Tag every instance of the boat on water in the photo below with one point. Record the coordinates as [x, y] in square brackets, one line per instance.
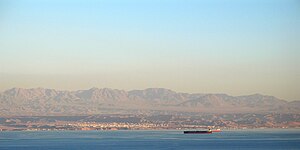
[209, 131]
[197, 132]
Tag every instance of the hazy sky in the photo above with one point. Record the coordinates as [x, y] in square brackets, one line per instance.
[236, 47]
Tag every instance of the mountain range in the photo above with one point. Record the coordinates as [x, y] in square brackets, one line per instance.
[42, 101]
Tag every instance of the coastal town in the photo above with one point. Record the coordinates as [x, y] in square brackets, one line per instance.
[149, 122]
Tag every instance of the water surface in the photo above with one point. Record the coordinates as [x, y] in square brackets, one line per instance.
[282, 139]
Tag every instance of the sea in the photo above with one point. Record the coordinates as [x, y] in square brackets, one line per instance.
[258, 139]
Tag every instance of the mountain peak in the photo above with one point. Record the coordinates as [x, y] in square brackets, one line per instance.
[93, 89]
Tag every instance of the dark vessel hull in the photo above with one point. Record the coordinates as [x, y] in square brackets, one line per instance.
[197, 132]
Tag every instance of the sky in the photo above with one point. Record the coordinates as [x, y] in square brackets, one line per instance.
[196, 46]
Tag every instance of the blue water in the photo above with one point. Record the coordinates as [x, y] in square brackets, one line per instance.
[79, 140]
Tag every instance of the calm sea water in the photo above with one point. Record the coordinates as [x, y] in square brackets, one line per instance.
[78, 140]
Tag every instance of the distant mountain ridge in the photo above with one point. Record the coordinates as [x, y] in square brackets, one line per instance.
[41, 101]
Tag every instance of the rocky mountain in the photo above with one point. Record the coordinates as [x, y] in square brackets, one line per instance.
[41, 101]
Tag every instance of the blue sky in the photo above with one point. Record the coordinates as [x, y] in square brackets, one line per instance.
[215, 46]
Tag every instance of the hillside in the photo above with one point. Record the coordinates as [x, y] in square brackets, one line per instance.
[41, 101]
